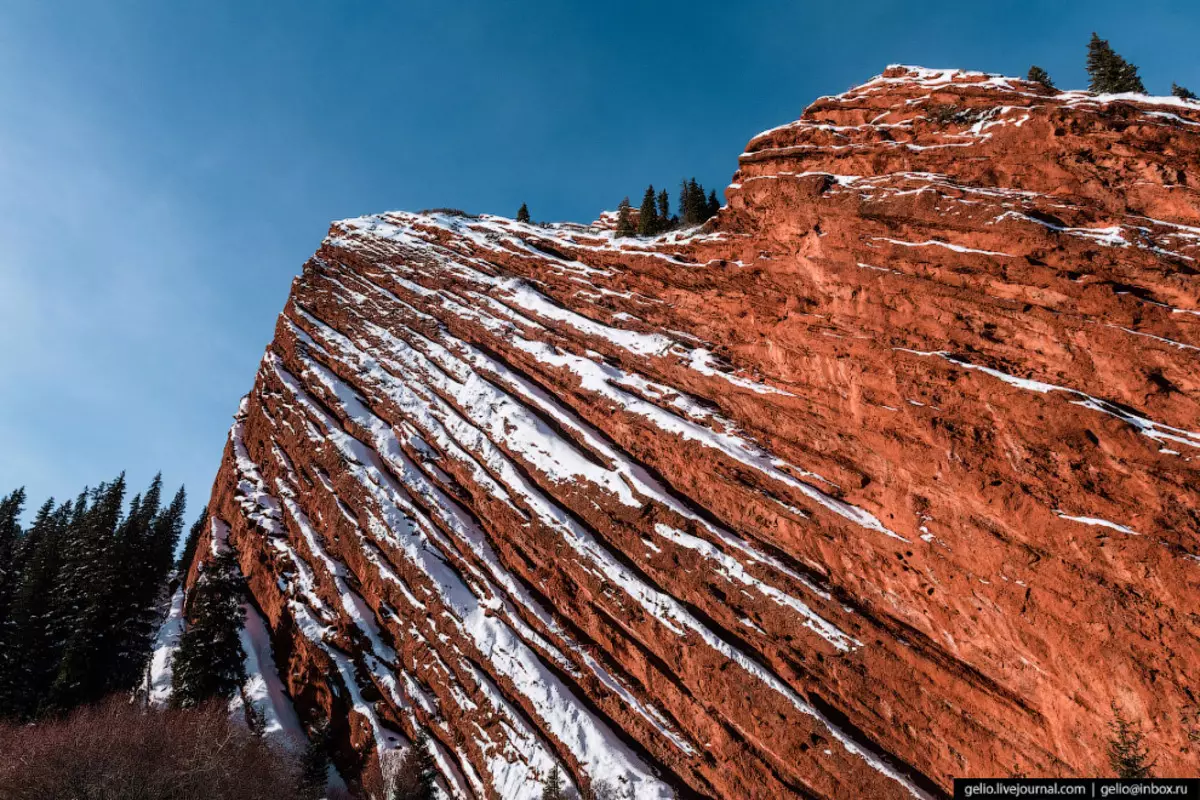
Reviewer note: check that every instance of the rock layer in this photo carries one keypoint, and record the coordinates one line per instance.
(886, 475)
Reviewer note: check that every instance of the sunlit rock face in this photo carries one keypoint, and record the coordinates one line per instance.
(887, 474)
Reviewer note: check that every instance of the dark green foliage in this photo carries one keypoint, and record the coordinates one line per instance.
(314, 765)
(664, 209)
(1127, 753)
(80, 594)
(416, 777)
(523, 213)
(189, 545)
(648, 214)
(714, 205)
(624, 222)
(1183, 93)
(1039, 75)
(694, 208)
(553, 788)
(210, 662)
(1109, 73)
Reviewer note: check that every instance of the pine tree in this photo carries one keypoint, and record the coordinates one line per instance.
(553, 788)
(29, 664)
(314, 764)
(1127, 753)
(648, 213)
(1039, 75)
(11, 572)
(87, 614)
(193, 540)
(416, 777)
(664, 209)
(1109, 73)
(146, 546)
(210, 662)
(624, 223)
(523, 213)
(1182, 93)
(713, 205)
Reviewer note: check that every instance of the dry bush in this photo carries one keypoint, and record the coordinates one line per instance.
(118, 751)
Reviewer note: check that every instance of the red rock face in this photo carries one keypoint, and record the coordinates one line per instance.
(887, 475)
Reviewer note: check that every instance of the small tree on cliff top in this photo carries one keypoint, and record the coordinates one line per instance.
(648, 214)
(1039, 75)
(624, 223)
(523, 213)
(1182, 93)
(1109, 73)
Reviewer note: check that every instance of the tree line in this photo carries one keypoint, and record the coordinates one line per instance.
(1108, 73)
(655, 217)
(81, 593)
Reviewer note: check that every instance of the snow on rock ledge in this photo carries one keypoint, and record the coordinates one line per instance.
(768, 508)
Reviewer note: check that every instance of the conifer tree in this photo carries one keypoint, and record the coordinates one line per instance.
(1109, 73)
(210, 662)
(189, 546)
(1127, 753)
(664, 209)
(624, 223)
(27, 666)
(89, 578)
(1039, 75)
(314, 764)
(416, 777)
(10, 539)
(523, 213)
(648, 213)
(1182, 93)
(553, 788)
(713, 205)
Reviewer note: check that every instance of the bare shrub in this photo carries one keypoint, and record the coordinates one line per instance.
(115, 750)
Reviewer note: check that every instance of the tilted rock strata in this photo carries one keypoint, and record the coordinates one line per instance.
(886, 475)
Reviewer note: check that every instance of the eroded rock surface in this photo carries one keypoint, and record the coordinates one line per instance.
(886, 475)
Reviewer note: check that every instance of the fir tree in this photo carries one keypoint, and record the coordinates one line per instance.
(1127, 753)
(523, 213)
(713, 205)
(1109, 73)
(189, 546)
(314, 764)
(10, 579)
(416, 777)
(1182, 93)
(624, 223)
(210, 662)
(1039, 75)
(648, 213)
(664, 209)
(553, 788)
(28, 665)
(146, 546)
(89, 579)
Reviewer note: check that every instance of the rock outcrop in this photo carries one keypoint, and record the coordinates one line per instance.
(886, 475)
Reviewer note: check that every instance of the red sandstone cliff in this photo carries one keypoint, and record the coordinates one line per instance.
(886, 475)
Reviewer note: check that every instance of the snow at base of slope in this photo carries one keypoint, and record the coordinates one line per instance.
(166, 642)
(263, 685)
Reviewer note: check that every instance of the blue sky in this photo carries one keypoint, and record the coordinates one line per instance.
(166, 167)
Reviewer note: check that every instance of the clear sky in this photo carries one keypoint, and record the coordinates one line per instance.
(167, 166)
